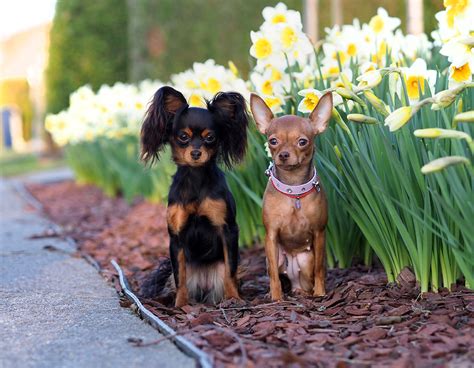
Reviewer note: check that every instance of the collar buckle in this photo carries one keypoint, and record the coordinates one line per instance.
(316, 185)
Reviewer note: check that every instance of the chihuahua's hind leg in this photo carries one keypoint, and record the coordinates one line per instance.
(319, 263)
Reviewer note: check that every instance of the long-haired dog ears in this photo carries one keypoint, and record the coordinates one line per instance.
(228, 110)
(158, 121)
(230, 113)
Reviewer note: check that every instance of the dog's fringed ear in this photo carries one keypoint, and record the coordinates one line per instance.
(158, 121)
(230, 111)
(321, 114)
(261, 113)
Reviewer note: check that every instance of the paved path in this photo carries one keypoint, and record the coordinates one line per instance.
(56, 310)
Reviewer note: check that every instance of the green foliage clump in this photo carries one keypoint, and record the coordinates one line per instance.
(88, 46)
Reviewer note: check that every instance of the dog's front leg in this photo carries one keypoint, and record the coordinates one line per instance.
(319, 240)
(271, 250)
(230, 240)
(178, 262)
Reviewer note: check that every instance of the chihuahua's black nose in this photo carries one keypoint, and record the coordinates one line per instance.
(284, 155)
(195, 154)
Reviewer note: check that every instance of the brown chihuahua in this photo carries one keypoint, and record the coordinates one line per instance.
(295, 210)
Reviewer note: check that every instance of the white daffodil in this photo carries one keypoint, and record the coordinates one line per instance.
(417, 77)
(270, 82)
(281, 15)
(461, 74)
(311, 98)
(263, 45)
(460, 14)
(459, 50)
(307, 76)
(382, 24)
(275, 103)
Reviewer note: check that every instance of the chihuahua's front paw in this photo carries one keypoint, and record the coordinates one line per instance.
(277, 295)
(319, 291)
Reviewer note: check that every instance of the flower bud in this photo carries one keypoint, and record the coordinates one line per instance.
(441, 133)
(360, 118)
(465, 117)
(337, 152)
(349, 95)
(399, 117)
(377, 103)
(445, 98)
(442, 163)
(338, 119)
(233, 68)
(370, 79)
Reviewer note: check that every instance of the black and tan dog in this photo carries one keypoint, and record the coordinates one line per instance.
(295, 210)
(201, 210)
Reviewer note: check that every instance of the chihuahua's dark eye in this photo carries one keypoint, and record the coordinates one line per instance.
(183, 137)
(273, 141)
(302, 142)
(210, 138)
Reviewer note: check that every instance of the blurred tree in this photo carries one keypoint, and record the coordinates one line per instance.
(89, 45)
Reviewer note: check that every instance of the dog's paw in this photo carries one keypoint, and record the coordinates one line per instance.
(319, 293)
(181, 300)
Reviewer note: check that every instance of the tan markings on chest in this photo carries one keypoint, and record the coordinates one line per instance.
(214, 209)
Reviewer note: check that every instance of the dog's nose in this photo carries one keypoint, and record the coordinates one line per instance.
(284, 155)
(195, 154)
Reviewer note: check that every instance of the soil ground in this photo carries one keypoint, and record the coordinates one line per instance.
(361, 322)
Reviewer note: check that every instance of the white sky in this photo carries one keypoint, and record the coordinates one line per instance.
(18, 15)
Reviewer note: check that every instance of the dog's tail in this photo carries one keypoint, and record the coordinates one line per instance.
(157, 281)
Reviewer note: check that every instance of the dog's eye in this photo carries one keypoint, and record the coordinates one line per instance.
(273, 141)
(183, 137)
(210, 138)
(302, 142)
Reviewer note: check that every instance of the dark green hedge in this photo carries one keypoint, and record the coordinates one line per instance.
(88, 45)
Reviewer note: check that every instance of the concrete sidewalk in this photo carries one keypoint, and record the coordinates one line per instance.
(56, 310)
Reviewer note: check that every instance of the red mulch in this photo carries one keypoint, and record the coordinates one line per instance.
(362, 321)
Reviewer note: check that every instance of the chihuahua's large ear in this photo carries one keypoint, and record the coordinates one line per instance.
(158, 121)
(261, 113)
(230, 111)
(321, 114)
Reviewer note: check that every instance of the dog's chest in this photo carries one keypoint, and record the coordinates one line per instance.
(178, 214)
(295, 225)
